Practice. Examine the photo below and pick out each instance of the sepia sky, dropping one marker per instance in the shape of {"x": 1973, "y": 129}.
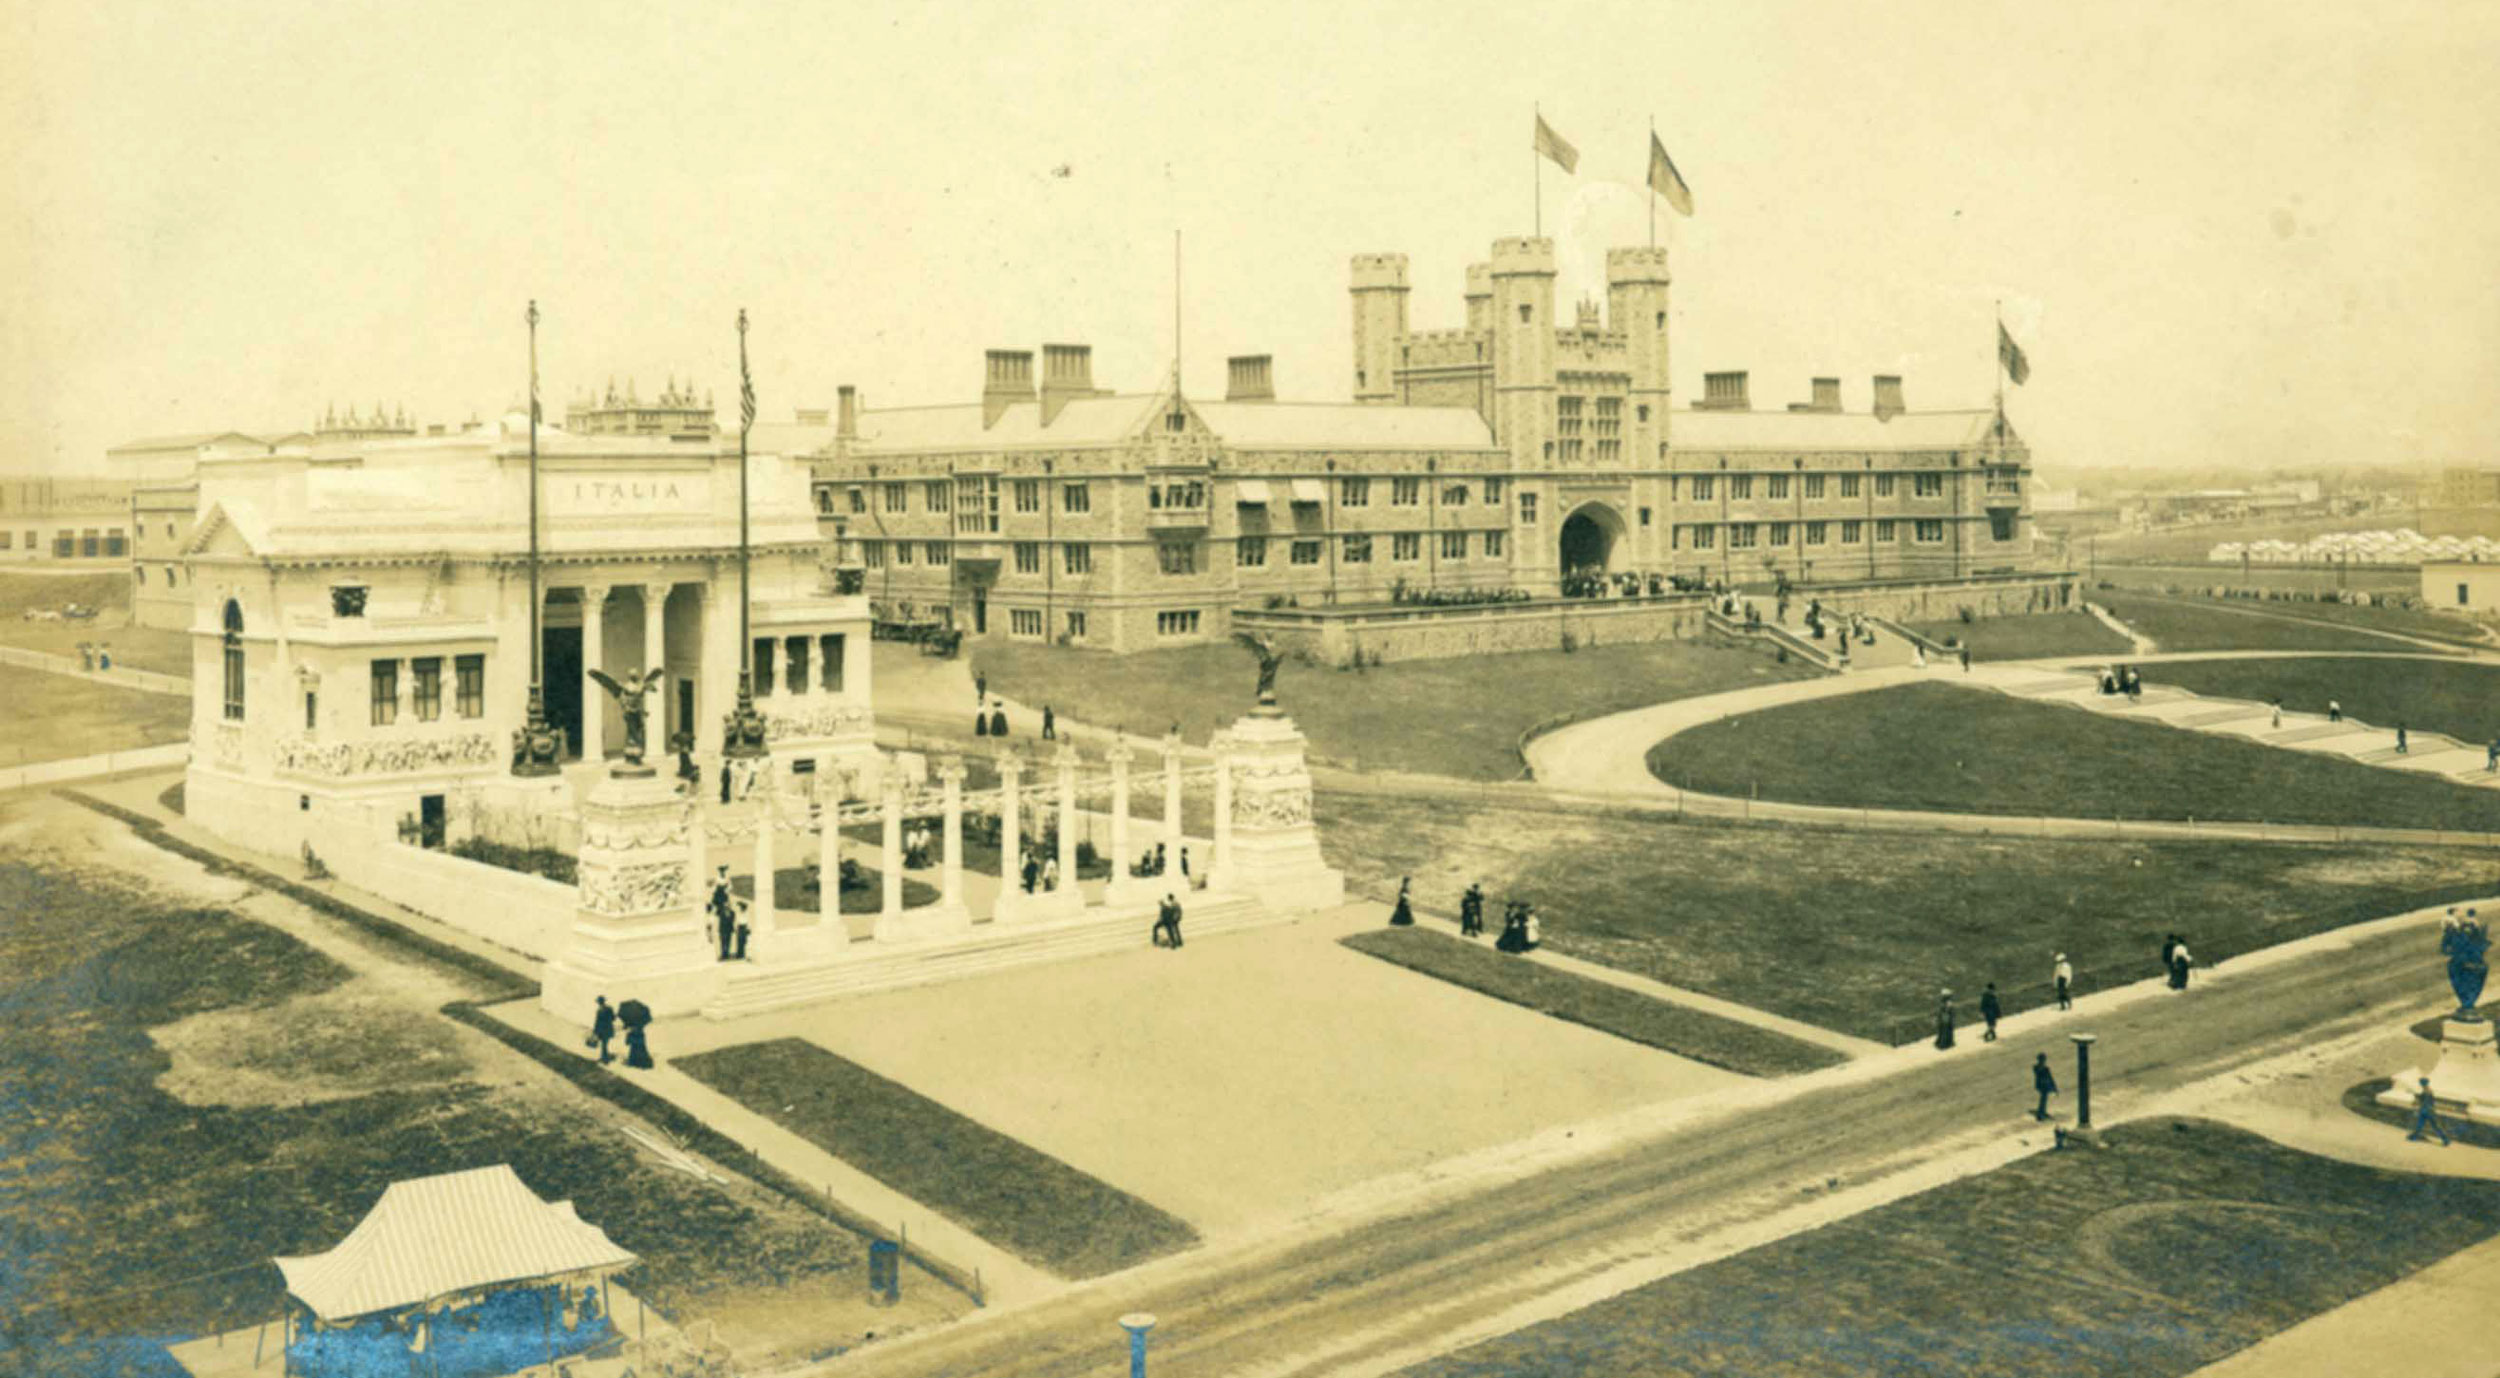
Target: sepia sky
{"x": 2226, "y": 232}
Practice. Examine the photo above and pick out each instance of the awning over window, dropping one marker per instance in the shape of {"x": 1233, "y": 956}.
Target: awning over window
{"x": 1251, "y": 492}
{"x": 1307, "y": 490}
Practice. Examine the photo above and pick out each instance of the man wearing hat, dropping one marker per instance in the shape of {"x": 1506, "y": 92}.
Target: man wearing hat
{"x": 2065, "y": 983}
{"x": 724, "y": 913}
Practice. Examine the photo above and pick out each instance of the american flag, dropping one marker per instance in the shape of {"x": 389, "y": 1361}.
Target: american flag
{"x": 746, "y": 396}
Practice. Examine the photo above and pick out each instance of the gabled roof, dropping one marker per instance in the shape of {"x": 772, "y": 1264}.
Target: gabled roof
{"x": 1802, "y": 430}
{"x": 231, "y": 513}
{"x": 1083, "y": 421}
{"x": 438, "y": 1237}
{"x": 192, "y": 441}
{"x": 1344, "y": 426}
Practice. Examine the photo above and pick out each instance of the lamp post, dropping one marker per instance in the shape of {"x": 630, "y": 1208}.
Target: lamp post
{"x": 2083, "y": 1080}
{"x": 534, "y": 744}
{"x": 1137, "y": 1323}
{"x": 744, "y": 732}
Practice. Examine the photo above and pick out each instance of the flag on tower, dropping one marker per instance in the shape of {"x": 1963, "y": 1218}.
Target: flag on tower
{"x": 1556, "y": 147}
{"x": 2010, "y": 354}
{"x": 1664, "y": 179}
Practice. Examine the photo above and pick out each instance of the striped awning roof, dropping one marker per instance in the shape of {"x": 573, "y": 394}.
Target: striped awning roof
{"x": 438, "y": 1237}
{"x": 1250, "y": 491}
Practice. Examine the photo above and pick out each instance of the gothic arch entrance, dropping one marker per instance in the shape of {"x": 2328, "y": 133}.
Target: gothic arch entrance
{"x": 1589, "y": 538}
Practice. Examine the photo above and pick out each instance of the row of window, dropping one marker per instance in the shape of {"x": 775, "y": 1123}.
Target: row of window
{"x": 425, "y": 677}
{"x": 1775, "y": 486}
{"x": 68, "y": 545}
{"x": 792, "y": 653}
{"x": 975, "y": 498}
{"x": 1747, "y": 535}
{"x": 1181, "y": 557}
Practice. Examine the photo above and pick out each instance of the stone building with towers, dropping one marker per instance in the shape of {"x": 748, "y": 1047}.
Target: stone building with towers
{"x": 1511, "y": 452}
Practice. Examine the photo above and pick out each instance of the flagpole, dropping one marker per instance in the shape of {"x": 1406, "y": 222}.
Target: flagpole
{"x": 1536, "y": 169}
{"x": 745, "y": 729}
{"x": 1653, "y": 191}
{"x": 534, "y": 746}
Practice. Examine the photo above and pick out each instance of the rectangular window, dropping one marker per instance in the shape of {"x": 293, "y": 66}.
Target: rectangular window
{"x": 1883, "y": 531}
{"x": 1025, "y": 621}
{"x": 1493, "y": 545}
{"x": 427, "y": 681}
{"x": 1779, "y": 533}
{"x": 1814, "y": 486}
{"x": 1250, "y": 552}
{"x": 1527, "y": 509}
{"x": 1851, "y": 532}
{"x": 1930, "y": 532}
{"x": 1076, "y": 499}
{"x": 1927, "y": 485}
{"x": 1177, "y": 557}
{"x": 1358, "y": 549}
{"x": 1453, "y": 495}
{"x": 1818, "y": 533}
{"x": 234, "y": 678}
{"x": 312, "y": 710}
{"x": 829, "y": 651}
{"x": 7, "y": 539}
{"x": 1354, "y": 492}
{"x": 941, "y": 495}
{"x": 1076, "y": 625}
{"x": 939, "y": 552}
{"x": 897, "y": 498}
{"x": 1028, "y": 557}
{"x": 902, "y": 552}
{"x": 1740, "y": 536}
{"x": 1701, "y": 487}
{"x": 1306, "y": 552}
{"x": 1644, "y": 516}
{"x": 796, "y": 650}
{"x": 859, "y": 500}
{"x": 1848, "y": 485}
{"x": 1406, "y": 492}
{"x": 1607, "y": 429}
{"x": 1453, "y": 545}
{"x": 64, "y": 546}
{"x": 1883, "y": 485}
{"x": 113, "y": 542}
{"x": 1740, "y": 487}
{"x": 1567, "y": 429}
{"x": 385, "y": 692}
{"x": 1492, "y": 492}
{"x": 1076, "y": 558}
{"x": 763, "y": 665}
{"x": 1705, "y": 537}
{"x": 469, "y": 686}
{"x": 87, "y": 543}
{"x": 1406, "y": 545}
{"x": 872, "y": 554}
{"x": 1177, "y": 623}
{"x": 1778, "y": 486}
{"x": 1028, "y": 495}
{"x": 976, "y": 505}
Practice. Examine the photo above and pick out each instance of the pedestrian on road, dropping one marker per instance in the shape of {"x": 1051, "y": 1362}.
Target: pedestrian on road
{"x": 1050, "y": 724}
{"x": 2169, "y": 944}
{"x": 1966, "y": 660}
{"x": 724, "y": 913}
{"x": 2403, "y": 748}
{"x": 1531, "y": 933}
{"x": 2491, "y": 756}
{"x": 1471, "y": 911}
{"x": 998, "y": 719}
{"x": 2278, "y": 713}
{"x": 1992, "y": 1010}
{"x": 980, "y": 689}
{"x": 1403, "y": 916}
{"x": 2043, "y": 1081}
{"x": 1944, "y": 1019}
{"x": 2426, "y": 1116}
{"x": 980, "y": 720}
{"x": 2334, "y": 711}
{"x": 603, "y": 1029}
{"x": 2065, "y": 977}
{"x": 637, "y": 1044}
{"x": 2180, "y": 961}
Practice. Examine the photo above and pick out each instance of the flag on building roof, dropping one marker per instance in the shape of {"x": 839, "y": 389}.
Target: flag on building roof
{"x": 1556, "y": 147}
{"x": 2010, "y": 354}
{"x": 1665, "y": 180}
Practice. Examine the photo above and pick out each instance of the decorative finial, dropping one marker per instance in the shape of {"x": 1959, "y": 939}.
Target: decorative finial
{"x": 533, "y": 317}
{"x": 742, "y": 320}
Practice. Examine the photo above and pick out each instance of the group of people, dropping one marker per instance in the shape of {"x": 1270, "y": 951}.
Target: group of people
{"x": 729, "y": 918}
{"x": 2175, "y": 960}
{"x": 635, "y": 1017}
{"x": 2124, "y": 679}
{"x": 1598, "y": 583}
{"x": 1167, "y": 929}
{"x": 1155, "y": 861}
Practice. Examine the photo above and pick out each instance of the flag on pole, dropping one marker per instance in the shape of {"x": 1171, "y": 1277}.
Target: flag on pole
{"x": 1665, "y": 180}
{"x": 746, "y": 394}
{"x": 1556, "y": 147}
{"x": 2010, "y": 354}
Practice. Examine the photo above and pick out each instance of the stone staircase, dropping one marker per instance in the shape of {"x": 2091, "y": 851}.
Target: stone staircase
{"x": 868, "y": 967}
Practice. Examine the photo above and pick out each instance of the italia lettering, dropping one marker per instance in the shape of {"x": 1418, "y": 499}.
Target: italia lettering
{"x": 598, "y": 490}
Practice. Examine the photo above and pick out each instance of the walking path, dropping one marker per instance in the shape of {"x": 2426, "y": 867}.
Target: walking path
{"x": 147, "y": 681}
{"x": 2142, "y": 645}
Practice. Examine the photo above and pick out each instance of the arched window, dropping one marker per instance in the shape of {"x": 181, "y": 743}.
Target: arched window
{"x": 234, "y": 661}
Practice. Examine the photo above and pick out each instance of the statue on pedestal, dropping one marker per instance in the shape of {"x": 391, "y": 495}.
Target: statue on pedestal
{"x": 1269, "y": 659}
{"x": 2463, "y": 942}
{"x": 632, "y": 698}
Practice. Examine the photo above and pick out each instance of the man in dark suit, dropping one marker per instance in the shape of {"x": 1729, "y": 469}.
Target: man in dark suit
{"x": 603, "y": 1029}
{"x": 724, "y": 913}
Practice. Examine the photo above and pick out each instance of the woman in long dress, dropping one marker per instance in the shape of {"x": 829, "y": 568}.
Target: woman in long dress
{"x": 1404, "y": 915}
{"x": 1944, "y": 1020}
{"x": 1531, "y": 933}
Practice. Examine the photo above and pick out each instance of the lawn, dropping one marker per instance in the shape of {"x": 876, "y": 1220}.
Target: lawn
{"x": 2182, "y": 1243}
{"x": 1938, "y": 746}
{"x": 1855, "y": 931}
{"x": 2029, "y": 636}
{"x": 1459, "y": 717}
{"x": 1679, "y": 1029}
{"x": 796, "y": 890}
{"x": 1015, "y": 1196}
{"x": 141, "y": 648}
{"x": 2366, "y": 578}
{"x": 2206, "y": 624}
{"x": 48, "y": 717}
{"x": 2190, "y": 544}
{"x": 185, "y": 1093}
{"x": 2462, "y": 700}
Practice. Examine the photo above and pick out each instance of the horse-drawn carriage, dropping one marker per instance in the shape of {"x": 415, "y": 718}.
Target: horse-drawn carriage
{"x": 934, "y": 635}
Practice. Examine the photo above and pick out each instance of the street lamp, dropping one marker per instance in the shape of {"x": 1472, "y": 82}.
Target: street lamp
{"x": 534, "y": 744}
{"x": 743, "y": 737}
{"x": 2083, "y": 1080}
{"x": 1137, "y": 1323}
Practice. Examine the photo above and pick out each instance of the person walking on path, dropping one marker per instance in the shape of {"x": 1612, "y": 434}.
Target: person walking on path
{"x": 1966, "y": 660}
{"x": 603, "y": 1029}
{"x": 2278, "y": 713}
{"x": 2180, "y": 961}
{"x": 1403, "y": 916}
{"x": 2426, "y": 1116}
{"x": 2491, "y": 756}
{"x": 2334, "y": 711}
{"x": 1471, "y": 911}
{"x": 1992, "y": 1010}
{"x": 2169, "y": 944}
{"x": 637, "y": 1017}
{"x": 2043, "y": 1081}
{"x": 980, "y": 720}
{"x": 1170, "y": 923}
{"x": 1531, "y": 933}
{"x": 2065, "y": 977}
{"x": 980, "y": 689}
{"x": 1050, "y": 724}
{"x": 2403, "y": 747}
{"x": 1944, "y": 1020}
{"x": 998, "y": 719}
{"x": 724, "y": 913}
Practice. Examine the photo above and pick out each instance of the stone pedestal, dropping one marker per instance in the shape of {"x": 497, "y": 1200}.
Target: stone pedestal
{"x": 638, "y": 931}
{"x": 1272, "y": 853}
{"x": 2465, "y": 1079}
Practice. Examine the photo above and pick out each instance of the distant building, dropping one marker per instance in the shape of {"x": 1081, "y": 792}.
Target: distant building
{"x": 673, "y": 413}
{"x": 161, "y": 475}
{"x": 48, "y": 521}
{"x": 1514, "y": 452}
{"x": 2469, "y": 486}
{"x": 2467, "y": 585}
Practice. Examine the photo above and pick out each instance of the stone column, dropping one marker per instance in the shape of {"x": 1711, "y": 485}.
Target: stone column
{"x": 829, "y": 853}
{"x": 890, "y": 853}
{"x": 1171, "y": 811}
{"x": 1070, "y": 896}
{"x": 655, "y": 657}
{"x": 1271, "y": 850}
{"x": 804, "y": 649}
{"x": 951, "y": 775}
{"x": 760, "y": 911}
{"x": 1219, "y": 866}
{"x": 594, "y": 651}
{"x": 1123, "y": 887}
{"x": 637, "y": 929}
{"x": 1011, "y": 897}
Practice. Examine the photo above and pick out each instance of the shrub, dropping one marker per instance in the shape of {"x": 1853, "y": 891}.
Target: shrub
{"x": 532, "y": 861}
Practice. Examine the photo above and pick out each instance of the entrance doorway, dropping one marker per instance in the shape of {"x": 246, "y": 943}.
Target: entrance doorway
{"x": 1588, "y": 540}
{"x": 562, "y": 654}
{"x": 685, "y": 708}
{"x": 980, "y": 611}
{"x": 431, "y": 824}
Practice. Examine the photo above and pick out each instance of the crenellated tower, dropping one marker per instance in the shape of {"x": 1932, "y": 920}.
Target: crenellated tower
{"x": 1523, "y": 348}
{"x": 1636, "y": 309}
{"x": 1379, "y": 290}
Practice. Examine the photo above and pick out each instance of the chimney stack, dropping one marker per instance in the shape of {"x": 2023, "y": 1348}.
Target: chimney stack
{"x": 1252, "y": 379}
{"x": 846, "y": 413}
{"x": 1067, "y": 374}
{"x": 1888, "y": 396}
{"x": 1723, "y": 392}
{"x": 1010, "y": 381}
{"x": 1826, "y": 397}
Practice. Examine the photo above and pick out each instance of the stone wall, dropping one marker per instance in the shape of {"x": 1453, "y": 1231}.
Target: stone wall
{"x": 1388, "y": 635}
{"x": 528, "y": 914}
{"x": 1938, "y": 600}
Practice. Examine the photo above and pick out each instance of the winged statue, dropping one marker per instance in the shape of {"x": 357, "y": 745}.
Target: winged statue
{"x": 1269, "y": 659}
{"x": 630, "y": 696}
